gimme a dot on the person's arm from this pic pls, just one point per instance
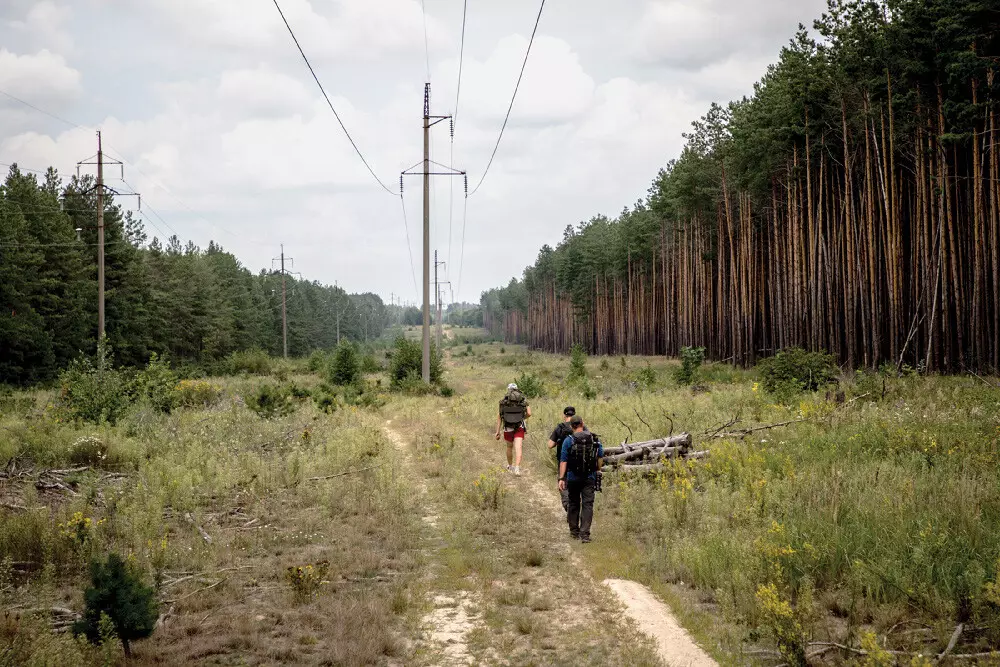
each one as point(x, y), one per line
point(562, 475)
point(528, 413)
point(600, 457)
point(552, 443)
point(499, 426)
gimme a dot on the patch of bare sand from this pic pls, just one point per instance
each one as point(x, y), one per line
point(673, 643)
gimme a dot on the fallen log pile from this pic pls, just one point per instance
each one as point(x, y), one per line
point(649, 456)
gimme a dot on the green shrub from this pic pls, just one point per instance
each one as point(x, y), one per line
point(251, 362)
point(530, 385)
point(794, 370)
point(196, 393)
point(88, 451)
point(118, 593)
point(691, 358)
point(369, 364)
point(96, 391)
point(318, 361)
point(605, 366)
point(270, 401)
point(577, 364)
point(156, 384)
point(446, 391)
point(325, 399)
point(589, 392)
point(647, 377)
point(344, 369)
point(407, 361)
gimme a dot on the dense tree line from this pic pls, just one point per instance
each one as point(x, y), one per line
point(851, 204)
point(193, 305)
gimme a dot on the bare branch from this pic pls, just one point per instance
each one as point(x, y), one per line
point(346, 472)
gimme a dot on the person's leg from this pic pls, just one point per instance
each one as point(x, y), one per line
point(510, 454)
point(518, 442)
point(587, 512)
point(573, 514)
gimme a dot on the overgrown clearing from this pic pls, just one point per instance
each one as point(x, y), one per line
point(871, 520)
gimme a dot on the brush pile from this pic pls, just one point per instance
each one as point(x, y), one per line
point(649, 456)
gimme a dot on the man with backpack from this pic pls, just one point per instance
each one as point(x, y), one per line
point(580, 463)
point(560, 433)
point(514, 410)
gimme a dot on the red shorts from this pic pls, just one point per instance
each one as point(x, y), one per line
point(516, 433)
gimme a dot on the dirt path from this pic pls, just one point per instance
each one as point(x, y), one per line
point(673, 643)
point(447, 626)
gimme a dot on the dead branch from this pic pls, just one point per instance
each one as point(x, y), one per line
point(951, 643)
point(642, 420)
point(194, 592)
point(731, 422)
point(985, 381)
point(65, 471)
point(204, 535)
point(52, 486)
point(346, 472)
point(162, 620)
point(742, 433)
point(630, 435)
point(671, 420)
point(14, 507)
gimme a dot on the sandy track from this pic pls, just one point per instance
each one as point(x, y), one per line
point(673, 643)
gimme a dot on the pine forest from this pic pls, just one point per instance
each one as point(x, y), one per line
point(851, 204)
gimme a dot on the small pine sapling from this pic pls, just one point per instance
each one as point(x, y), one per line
point(119, 593)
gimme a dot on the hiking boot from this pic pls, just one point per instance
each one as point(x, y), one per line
point(575, 536)
point(517, 471)
point(510, 468)
point(585, 539)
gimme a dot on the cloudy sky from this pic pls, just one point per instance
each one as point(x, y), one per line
point(226, 136)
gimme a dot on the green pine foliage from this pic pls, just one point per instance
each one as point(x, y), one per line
point(691, 360)
point(94, 390)
point(577, 364)
point(119, 594)
point(345, 367)
point(794, 370)
point(406, 364)
point(196, 306)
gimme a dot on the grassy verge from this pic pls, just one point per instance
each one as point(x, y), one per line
point(150, 487)
point(875, 514)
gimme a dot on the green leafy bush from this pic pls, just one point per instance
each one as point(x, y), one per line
point(407, 362)
point(156, 384)
point(270, 401)
point(325, 398)
point(117, 592)
point(794, 370)
point(344, 369)
point(196, 393)
point(691, 359)
point(96, 391)
point(369, 364)
point(531, 385)
point(318, 361)
point(577, 364)
point(646, 377)
point(251, 362)
point(446, 391)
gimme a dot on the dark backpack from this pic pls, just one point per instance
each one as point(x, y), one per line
point(582, 457)
point(513, 409)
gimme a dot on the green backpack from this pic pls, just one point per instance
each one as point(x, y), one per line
point(513, 409)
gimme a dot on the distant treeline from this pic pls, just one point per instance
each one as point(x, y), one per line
point(193, 305)
point(851, 204)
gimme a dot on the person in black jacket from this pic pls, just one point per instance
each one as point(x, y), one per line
point(580, 462)
point(561, 431)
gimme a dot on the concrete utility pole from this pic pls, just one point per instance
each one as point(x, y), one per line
point(429, 122)
point(100, 239)
point(100, 187)
point(437, 298)
point(284, 300)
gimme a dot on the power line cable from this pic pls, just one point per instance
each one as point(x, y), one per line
point(409, 250)
point(454, 120)
point(328, 102)
point(461, 256)
point(427, 48)
point(42, 111)
point(513, 97)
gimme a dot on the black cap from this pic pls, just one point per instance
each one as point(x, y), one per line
point(576, 422)
point(569, 411)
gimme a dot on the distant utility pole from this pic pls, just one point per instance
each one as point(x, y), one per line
point(437, 298)
point(284, 300)
point(427, 173)
point(100, 187)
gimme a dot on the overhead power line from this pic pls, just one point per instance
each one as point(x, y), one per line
point(427, 48)
point(328, 102)
point(409, 250)
point(458, 95)
point(512, 97)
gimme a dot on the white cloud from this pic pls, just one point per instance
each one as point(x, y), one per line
point(45, 26)
point(360, 29)
point(43, 76)
point(691, 34)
